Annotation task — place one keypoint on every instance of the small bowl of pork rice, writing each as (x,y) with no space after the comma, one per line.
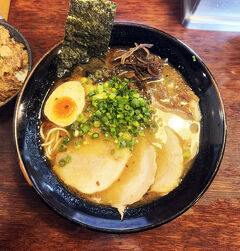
(15,62)
(126,142)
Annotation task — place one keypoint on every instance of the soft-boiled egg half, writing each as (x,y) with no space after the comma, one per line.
(65,103)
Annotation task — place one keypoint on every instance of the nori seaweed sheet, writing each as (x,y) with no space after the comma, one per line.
(87,33)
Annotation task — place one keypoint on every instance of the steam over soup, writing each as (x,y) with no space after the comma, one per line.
(123,130)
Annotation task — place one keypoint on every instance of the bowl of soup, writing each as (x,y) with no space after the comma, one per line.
(127,142)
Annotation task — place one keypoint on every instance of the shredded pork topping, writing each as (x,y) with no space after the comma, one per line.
(13,59)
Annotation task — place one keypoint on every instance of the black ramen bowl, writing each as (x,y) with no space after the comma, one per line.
(160,211)
(18,37)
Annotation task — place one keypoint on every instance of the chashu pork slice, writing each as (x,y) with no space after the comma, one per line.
(93,167)
(135,180)
(170,164)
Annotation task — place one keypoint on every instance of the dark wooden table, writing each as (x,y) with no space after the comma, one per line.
(26,223)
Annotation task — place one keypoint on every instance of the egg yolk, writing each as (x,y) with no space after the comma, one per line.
(64,107)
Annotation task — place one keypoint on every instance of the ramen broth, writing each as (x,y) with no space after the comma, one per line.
(177,114)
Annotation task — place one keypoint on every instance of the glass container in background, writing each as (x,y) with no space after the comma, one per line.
(222,15)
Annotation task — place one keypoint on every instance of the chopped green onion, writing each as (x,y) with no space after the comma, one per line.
(112,96)
(91,93)
(81,118)
(122,144)
(106,84)
(119,111)
(68,158)
(98,113)
(76,144)
(96,123)
(126,136)
(186,155)
(136,95)
(75,125)
(66,140)
(85,128)
(135,103)
(127,107)
(62,148)
(137,112)
(95,135)
(62,162)
(120,134)
(104,119)
(135,123)
(80,133)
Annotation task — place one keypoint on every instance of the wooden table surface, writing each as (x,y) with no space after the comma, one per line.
(26,223)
